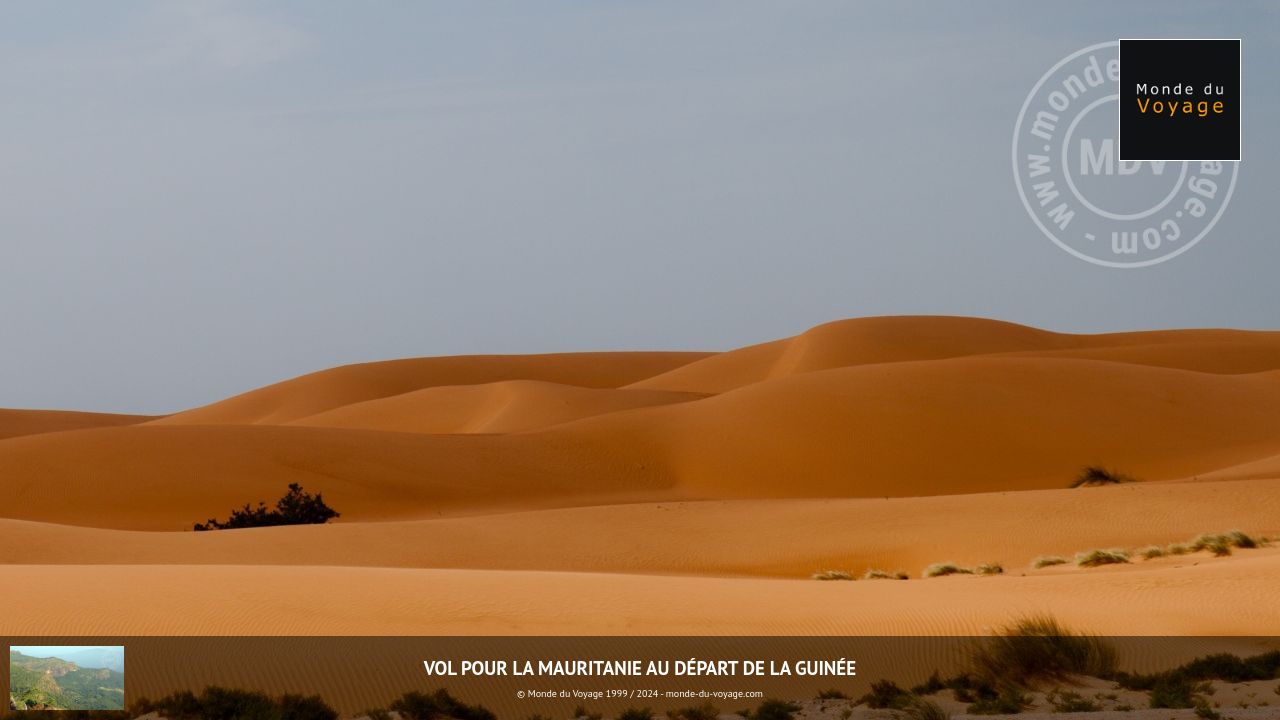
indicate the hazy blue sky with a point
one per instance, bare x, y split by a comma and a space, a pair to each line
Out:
203, 197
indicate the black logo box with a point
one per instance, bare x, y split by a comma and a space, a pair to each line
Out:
1186, 66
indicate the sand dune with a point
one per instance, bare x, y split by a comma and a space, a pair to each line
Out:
167, 477
945, 427
671, 492
17, 423
502, 407
710, 538
274, 600
865, 341
328, 389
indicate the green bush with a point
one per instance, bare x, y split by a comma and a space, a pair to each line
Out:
943, 569
1096, 558
876, 574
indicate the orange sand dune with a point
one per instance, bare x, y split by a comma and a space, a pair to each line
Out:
503, 407
942, 427
16, 423
328, 389
865, 341
961, 425
274, 600
651, 493
721, 538
165, 477
1226, 357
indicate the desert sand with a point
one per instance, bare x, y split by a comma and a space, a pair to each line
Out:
673, 493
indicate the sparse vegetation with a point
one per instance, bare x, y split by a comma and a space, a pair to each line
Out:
295, 508
926, 710
636, 714
832, 575
1095, 475
886, 694
1045, 561
989, 569
946, 568
832, 694
1064, 701
1097, 558
216, 703
775, 710
1040, 648
439, 704
1207, 713
1219, 545
1151, 552
1009, 702
875, 574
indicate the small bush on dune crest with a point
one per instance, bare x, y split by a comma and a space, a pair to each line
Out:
636, 714
1219, 545
1095, 475
1045, 561
1151, 552
990, 569
1096, 558
946, 568
1242, 540
1178, 549
832, 575
1039, 648
875, 574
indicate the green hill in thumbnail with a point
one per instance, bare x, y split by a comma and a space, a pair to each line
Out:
56, 684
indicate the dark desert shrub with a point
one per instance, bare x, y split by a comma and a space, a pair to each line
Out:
1009, 702
438, 706
886, 694
295, 508
832, 694
1095, 475
636, 714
